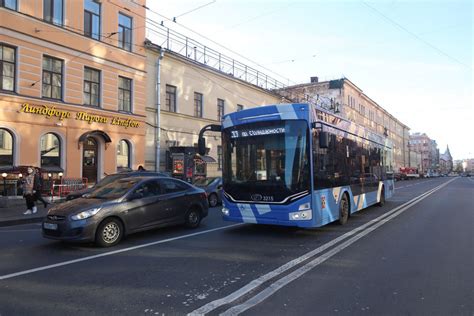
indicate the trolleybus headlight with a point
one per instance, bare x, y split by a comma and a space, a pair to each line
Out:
301, 215
225, 211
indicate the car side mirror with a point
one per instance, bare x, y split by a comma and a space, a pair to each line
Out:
219, 187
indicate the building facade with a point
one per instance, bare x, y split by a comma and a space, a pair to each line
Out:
446, 162
191, 95
345, 98
72, 91
420, 143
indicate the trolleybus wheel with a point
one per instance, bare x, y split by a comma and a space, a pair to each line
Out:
343, 210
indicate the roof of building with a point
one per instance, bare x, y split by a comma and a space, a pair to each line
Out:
346, 80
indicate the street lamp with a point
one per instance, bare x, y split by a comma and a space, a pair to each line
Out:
4, 176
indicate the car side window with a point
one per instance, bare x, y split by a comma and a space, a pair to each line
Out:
171, 186
147, 189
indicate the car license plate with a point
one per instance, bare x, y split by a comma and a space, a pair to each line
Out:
50, 226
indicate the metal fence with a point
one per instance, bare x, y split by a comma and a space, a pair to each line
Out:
192, 49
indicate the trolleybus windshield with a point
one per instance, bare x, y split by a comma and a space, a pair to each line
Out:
266, 162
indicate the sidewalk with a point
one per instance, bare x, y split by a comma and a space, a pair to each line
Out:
12, 213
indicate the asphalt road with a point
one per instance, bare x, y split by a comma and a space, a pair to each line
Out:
412, 258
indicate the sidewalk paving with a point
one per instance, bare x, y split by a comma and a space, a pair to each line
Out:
13, 213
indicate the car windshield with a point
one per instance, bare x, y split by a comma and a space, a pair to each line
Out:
109, 179
114, 190
204, 182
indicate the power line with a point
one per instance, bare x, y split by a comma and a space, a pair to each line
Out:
256, 17
203, 36
291, 60
415, 36
230, 50
195, 9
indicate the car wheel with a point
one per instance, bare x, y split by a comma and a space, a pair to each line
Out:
213, 200
109, 233
343, 210
382, 197
193, 218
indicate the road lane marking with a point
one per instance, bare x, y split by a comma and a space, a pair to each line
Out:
211, 306
65, 263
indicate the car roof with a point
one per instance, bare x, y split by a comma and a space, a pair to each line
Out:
140, 178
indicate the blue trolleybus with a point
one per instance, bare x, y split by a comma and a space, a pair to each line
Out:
299, 165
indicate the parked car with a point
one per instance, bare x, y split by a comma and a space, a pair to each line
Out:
213, 188
125, 206
110, 178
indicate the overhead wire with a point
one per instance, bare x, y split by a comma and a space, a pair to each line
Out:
192, 10
155, 24
398, 25
255, 17
108, 36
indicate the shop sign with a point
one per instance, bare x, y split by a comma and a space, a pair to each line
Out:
52, 111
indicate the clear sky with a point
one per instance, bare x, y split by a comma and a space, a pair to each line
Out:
414, 58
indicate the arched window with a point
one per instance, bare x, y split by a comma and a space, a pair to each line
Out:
50, 151
123, 155
6, 148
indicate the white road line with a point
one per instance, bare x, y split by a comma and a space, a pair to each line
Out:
65, 263
271, 289
209, 307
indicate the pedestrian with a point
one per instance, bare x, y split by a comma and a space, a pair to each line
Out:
39, 187
29, 192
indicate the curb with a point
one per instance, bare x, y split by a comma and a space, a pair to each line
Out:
21, 221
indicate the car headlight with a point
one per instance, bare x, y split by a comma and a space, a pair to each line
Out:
225, 211
85, 214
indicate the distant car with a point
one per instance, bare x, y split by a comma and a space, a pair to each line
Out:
112, 177
126, 206
213, 188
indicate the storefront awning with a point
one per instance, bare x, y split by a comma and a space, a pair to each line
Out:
208, 159
95, 133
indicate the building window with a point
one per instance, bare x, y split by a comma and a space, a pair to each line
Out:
125, 32
53, 11
197, 104
7, 68
10, 4
240, 107
50, 151
220, 109
123, 155
91, 87
6, 148
125, 94
52, 78
219, 157
170, 98
92, 19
